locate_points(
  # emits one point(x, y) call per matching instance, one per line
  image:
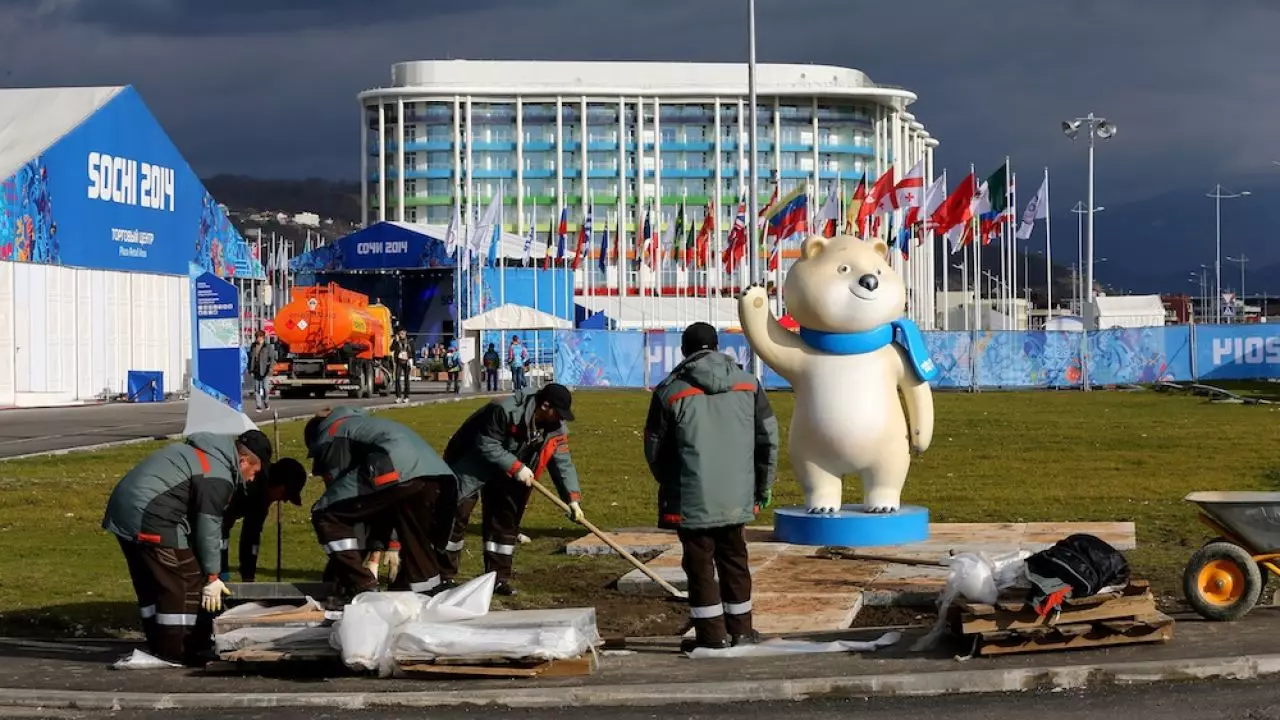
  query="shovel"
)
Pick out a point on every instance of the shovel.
point(675, 592)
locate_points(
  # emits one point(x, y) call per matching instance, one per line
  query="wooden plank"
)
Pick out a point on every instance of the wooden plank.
point(575, 667)
point(297, 618)
point(1016, 599)
point(1161, 632)
point(1025, 617)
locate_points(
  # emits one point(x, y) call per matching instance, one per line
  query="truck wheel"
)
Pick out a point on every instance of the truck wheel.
point(357, 377)
point(318, 393)
point(1222, 582)
point(367, 383)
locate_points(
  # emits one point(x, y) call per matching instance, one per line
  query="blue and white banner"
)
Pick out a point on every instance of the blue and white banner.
point(215, 334)
point(1237, 352)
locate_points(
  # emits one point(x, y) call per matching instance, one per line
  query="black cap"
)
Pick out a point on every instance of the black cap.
point(698, 337)
point(292, 475)
point(256, 442)
point(558, 397)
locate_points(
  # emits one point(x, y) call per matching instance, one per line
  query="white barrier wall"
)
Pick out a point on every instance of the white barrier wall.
point(70, 335)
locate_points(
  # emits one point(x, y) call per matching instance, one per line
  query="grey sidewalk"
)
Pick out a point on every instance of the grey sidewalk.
point(76, 675)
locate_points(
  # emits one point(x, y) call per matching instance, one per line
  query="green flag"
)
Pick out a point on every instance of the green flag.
point(690, 240)
point(998, 189)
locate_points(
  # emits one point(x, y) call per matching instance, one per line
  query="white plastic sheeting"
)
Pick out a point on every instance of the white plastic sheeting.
point(73, 334)
point(779, 646)
point(206, 413)
point(978, 578)
point(377, 630)
point(139, 660)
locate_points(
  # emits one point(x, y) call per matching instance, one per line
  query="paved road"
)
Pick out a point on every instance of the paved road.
point(1234, 700)
point(36, 430)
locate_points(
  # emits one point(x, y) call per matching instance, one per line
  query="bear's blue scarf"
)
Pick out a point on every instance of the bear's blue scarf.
point(902, 331)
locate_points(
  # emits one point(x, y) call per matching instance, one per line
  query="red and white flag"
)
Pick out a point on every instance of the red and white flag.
point(880, 199)
point(909, 192)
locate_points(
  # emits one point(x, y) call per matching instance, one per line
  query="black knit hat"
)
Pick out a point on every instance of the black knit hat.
point(557, 396)
point(698, 337)
point(292, 475)
point(256, 442)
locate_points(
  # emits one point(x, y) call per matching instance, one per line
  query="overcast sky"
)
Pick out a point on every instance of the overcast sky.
point(257, 87)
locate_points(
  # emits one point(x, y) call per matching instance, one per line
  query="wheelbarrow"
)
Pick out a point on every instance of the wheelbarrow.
point(1224, 579)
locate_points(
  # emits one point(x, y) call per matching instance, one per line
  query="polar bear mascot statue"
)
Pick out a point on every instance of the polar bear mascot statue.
point(853, 354)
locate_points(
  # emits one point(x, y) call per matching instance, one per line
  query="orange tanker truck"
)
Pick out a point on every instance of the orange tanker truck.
point(334, 339)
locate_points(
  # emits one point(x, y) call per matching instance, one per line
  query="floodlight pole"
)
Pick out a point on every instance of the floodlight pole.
point(753, 261)
point(1218, 196)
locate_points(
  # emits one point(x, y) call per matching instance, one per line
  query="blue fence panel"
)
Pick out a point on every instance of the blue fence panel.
point(1237, 352)
point(950, 352)
point(600, 358)
point(1028, 359)
point(1139, 355)
point(1001, 359)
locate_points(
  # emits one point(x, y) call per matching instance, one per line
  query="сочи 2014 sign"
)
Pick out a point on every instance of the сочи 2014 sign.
point(125, 181)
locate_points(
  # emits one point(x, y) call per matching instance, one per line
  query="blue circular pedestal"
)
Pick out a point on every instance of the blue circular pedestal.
point(851, 527)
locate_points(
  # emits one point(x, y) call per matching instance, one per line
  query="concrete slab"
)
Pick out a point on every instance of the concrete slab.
point(789, 612)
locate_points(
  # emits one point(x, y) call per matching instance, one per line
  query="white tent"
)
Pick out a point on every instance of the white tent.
point(504, 318)
point(644, 313)
point(1117, 311)
point(1069, 323)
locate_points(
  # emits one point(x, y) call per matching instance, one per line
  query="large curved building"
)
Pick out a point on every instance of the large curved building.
point(624, 138)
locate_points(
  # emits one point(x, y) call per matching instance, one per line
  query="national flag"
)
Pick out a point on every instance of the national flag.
point(649, 252)
point(998, 184)
point(852, 225)
point(954, 214)
point(453, 235)
point(617, 240)
point(1037, 209)
point(934, 196)
point(765, 208)
point(562, 230)
point(881, 194)
point(829, 214)
point(735, 246)
point(604, 249)
point(584, 240)
point(702, 243)
point(482, 233)
point(903, 241)
point(909, 192)
point(786, 219)
point(674, 233)
point(690, 241)
point(551, 233)
point(528, 246)
point(495, 242)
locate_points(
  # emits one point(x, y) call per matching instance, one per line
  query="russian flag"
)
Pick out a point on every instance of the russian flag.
point(787, 219)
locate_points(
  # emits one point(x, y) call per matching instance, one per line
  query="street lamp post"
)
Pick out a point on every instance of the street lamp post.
point(1096, 127)
point(1218, 196)
point(1242, 260)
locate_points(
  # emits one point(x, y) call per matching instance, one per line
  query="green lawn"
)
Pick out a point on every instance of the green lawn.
point(1007, 457)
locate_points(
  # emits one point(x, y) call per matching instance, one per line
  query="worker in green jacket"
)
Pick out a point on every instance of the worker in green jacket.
point(282, 482)
point(167, 514)
point(377, 472)
point(497, 454)
point(711, 441)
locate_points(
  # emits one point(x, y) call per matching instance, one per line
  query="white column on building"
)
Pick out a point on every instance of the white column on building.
point(458, 191)
point(815, 193)
point(559, 159)
point(382, 161)
point(364, 163)
point(642, 196)
point(932, 243)
point(519, 188)
point(655, 273)
point(471, 163)
point(400, 159)
point(619, 282)
point(712, 277)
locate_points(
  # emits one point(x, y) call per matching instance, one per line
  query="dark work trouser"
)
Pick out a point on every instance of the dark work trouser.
point(491, 380)
point(401, 388)
point(504, 501)
point(717, 607)
point(168, 582)
point(413, 508)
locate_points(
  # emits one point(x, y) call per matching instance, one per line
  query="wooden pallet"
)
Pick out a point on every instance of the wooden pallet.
point(262, 657)
point(1011, 625)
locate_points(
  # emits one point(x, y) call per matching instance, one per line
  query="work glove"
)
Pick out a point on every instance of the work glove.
point(392, 557)
point(575, 512)
point(765, 499)
point(525, 476)
point(372, 563)
point(211, 595)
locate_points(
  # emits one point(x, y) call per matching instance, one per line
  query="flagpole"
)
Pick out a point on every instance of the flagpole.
point(502, 249)
point(976, 242)
point(533, 233)
point(1048, 252)
point(1010, 206)
point(753, 263)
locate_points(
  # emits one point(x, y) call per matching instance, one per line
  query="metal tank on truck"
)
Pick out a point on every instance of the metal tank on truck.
point(334, 339)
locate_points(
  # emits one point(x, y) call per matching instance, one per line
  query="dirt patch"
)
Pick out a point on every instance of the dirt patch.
point(893, 616)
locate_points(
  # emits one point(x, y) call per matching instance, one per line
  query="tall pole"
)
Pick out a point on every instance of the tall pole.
point(753, 261)
point(1048, 251)
point(1088, 283)
point(1217, 257)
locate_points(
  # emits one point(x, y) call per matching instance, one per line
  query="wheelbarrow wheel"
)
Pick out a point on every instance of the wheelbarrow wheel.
point(1222, 582)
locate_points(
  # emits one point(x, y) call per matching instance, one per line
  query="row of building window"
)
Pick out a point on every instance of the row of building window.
point(788, 134)
point(607, 113)
point(607, 161)
point(544, 188)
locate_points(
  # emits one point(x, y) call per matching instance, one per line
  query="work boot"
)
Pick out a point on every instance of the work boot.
point(504, 589)
point(750, 637)
point(688, 645)
point(446, 585)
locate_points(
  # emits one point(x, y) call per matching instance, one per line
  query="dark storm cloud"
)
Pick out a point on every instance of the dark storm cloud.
point(268, 89)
